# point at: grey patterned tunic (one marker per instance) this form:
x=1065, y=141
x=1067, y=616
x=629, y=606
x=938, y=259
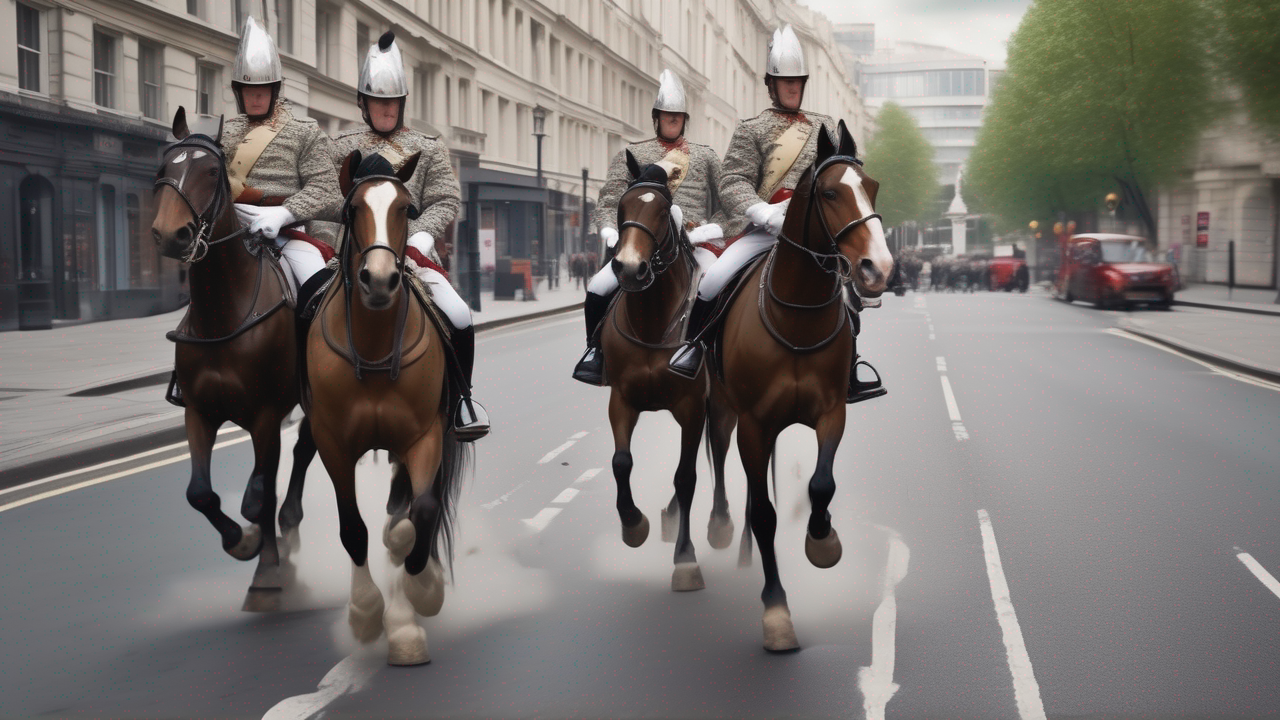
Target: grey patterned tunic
x=752, y=144
x=296, y=164
x=694, y=195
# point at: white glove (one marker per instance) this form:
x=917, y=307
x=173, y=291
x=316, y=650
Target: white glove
x=705, y=233
x=609, y=236
x=677, y=215
x=769, y=215
x=422, y=242
x=266, y=221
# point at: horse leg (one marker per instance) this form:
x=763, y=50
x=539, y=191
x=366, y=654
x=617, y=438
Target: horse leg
x=687, y=575
x=397, y=534
x=304, y=451
x=671, y=519
x=721, y=422
x=364, y=611
x=755, y=445
x=822, y=543
x=419, y=587
x=264, y=591
x=623, y=418
x=241, y=544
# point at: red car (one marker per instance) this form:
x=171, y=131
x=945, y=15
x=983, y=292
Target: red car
x=1008, y=273
x=1108, y=270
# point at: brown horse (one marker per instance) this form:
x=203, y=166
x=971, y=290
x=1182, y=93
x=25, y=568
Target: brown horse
x=655, y=268
x=398, y=402
x=787, y=348
x=236, y=350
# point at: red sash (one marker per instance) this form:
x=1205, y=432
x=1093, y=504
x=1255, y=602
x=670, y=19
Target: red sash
x=778, y=196
x=295, y=234
x=423, y=261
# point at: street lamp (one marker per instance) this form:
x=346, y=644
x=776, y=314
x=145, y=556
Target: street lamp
x=539, y=131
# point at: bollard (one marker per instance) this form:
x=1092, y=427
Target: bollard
x=1231, y=268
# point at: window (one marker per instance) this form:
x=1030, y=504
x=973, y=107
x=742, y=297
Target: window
x=207, y=87
x=193, y=7
x=29, y=74
x=144, y=256
x=362, y=43
x=239, y=13
x=107, y=237
x=464, y=104
x=104, y=69
x=149, y=80
x=284, y=24
x=324, y=21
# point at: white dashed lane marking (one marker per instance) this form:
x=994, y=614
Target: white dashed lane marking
x=1026, y=691
x=539, y=522
x=565, y=496
x=1268, y=580
x=555, y=453
x=953, y=409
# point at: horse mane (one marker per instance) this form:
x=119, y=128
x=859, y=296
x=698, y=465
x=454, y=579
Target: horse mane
x=654, y=174
x=374, y=164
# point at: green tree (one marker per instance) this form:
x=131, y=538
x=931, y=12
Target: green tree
x=1098, y=97
x=1248, y=52
x=901, y=160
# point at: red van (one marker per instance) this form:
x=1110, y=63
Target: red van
x=1115, y=270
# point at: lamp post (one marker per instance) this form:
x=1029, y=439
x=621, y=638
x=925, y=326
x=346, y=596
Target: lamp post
x=539, y=131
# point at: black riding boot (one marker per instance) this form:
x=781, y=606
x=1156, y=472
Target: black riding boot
x=590, y=369
x=688, y=359
x=864, y=380
x=174, y=394
x=470, y=422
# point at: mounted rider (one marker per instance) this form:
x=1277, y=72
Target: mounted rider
x=279, y=165
x=692, y=176
x=382, y=95
x=766, y=160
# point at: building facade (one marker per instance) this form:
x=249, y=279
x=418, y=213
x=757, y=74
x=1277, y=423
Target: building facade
x=90, y=86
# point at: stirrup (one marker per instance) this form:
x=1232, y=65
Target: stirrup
x=470, y=421
x=687, y=360
x=860, y=390
x=173, y=395
x=590, y=369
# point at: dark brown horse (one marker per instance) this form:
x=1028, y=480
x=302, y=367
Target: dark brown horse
x=376, y=369
x=787, y=349
x=655, y=268
x=236, y=350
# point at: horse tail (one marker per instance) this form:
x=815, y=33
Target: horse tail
x=773, y=465
x=707, y=429
x=456, y=461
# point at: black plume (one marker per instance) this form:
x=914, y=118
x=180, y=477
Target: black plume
x=384, y=42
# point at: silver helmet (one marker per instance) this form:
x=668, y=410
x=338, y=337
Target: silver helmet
x=383, y=73
x=671, y=96
x=786, y=56
x=257, y=62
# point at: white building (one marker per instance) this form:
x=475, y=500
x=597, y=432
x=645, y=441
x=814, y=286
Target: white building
x=88, y=90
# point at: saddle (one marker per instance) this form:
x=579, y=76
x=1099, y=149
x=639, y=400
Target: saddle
x=710, y=334
x=278, y=294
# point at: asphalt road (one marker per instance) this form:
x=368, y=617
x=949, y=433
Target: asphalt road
x=1124, y=495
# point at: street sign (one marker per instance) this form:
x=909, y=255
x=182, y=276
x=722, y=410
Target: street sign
x=1202, y=229
x=488, y=249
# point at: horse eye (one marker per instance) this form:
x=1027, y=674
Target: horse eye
x=829, y=194
x=213, y=172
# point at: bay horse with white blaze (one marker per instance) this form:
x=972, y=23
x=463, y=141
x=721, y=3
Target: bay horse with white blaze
x=397, y=402
x=787, y=348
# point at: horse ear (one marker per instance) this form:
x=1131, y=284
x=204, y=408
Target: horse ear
x=347, y=173
x=221, y=121
x=847, y=145
x=633, y=167
x=180, y=129
x=406, y=171
x=826, y=148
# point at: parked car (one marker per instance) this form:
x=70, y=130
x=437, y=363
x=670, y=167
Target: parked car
x=1008, y=274
x=1115, y=270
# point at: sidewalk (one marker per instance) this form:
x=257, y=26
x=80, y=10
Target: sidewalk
x=1247, y=300
x=1243, y=342
x=96, y=390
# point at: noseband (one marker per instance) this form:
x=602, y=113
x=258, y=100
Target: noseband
x=668, y=249
x=843, y=267
x=203, y=220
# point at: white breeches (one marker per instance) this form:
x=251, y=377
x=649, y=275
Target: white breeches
x=301, y=260
x=739, y=253
x=446, y=298
x=606, y=281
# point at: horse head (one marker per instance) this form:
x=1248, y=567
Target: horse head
x=376, y=216
x=842, y=197
x=645, y=227
x=194, y=172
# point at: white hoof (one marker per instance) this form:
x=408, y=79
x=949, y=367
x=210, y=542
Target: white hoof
x=779, y=633
x=292, y=542
x=399, y=539
x=635, y=536
x=426, y=589
x=687, y=577
x=364, y=612
x=670, y=525
x=720, y=532
x=823, y=553
x=250, y=544
x=406, y=639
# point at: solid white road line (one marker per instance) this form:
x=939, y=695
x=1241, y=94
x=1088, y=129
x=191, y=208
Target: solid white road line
x=1026, y=691
x=579, y=436
x=552, y=455
x=586, y=476
x=876, y=681
x=565, y=496
x=539, y=522
x=942, y=364
x=1268, y=580
x=952, y=409
x=1219, y=370
x=349, y=676
x=504, y=497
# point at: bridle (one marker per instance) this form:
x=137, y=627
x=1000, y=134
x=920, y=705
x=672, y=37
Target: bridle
x=669, y=247
x=203, y=220
x=843, y=266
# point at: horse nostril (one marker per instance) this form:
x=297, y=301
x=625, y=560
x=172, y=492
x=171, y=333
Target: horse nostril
x=617, y=266
x=868, y=271
x=642, y=272
x=365, y=276
x=155, y=235
x=184, y=233
x=394, y=278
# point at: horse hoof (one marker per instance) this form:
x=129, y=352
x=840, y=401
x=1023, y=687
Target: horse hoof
x=635, y=535
x=687, y=577
x=823, y=553
x=290, y=542
x=399, y=537
x=267, y=577
x=779, y=633
x=261, y=600
x=670, y=525
x=250, y=543
x=720, y=532
x=744, y=550
x=426, y=589
x=365, y=622
x=408, y=646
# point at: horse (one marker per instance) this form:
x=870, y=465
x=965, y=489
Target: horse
x=786, y=350
x=658, y=274
x=399, y=403
x=236, y=357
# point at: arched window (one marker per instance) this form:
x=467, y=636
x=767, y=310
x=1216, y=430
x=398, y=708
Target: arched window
x=35, y=207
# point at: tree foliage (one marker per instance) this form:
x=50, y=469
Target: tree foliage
x=901, y=160
x=1248, y=52
x=1094, y=92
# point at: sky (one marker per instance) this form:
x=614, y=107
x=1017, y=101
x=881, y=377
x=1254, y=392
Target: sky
x=979, y=27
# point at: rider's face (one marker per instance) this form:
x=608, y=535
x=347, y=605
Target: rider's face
x=384, y=113
x=789, y=92
x=670, y=125
x=256, y=99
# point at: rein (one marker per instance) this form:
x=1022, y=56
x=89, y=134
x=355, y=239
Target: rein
x=205, y=220
x=673, y=243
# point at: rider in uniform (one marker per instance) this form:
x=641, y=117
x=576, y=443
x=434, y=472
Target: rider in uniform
x=382, y=96
x=693, y=174
x=279, y=165
x=766, y=159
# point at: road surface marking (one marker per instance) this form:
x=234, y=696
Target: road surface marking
x=1026, y=691
x=114, y=476
x=579, y=436
x=876, y=680
x=1268, y=580
x=957, y=427
x=539, y=522
x=586, y=476
x=552, y=455
x=349, y=676
x=942, y=364
x=500, y=500
x=565, y=496
x=1219, y=370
